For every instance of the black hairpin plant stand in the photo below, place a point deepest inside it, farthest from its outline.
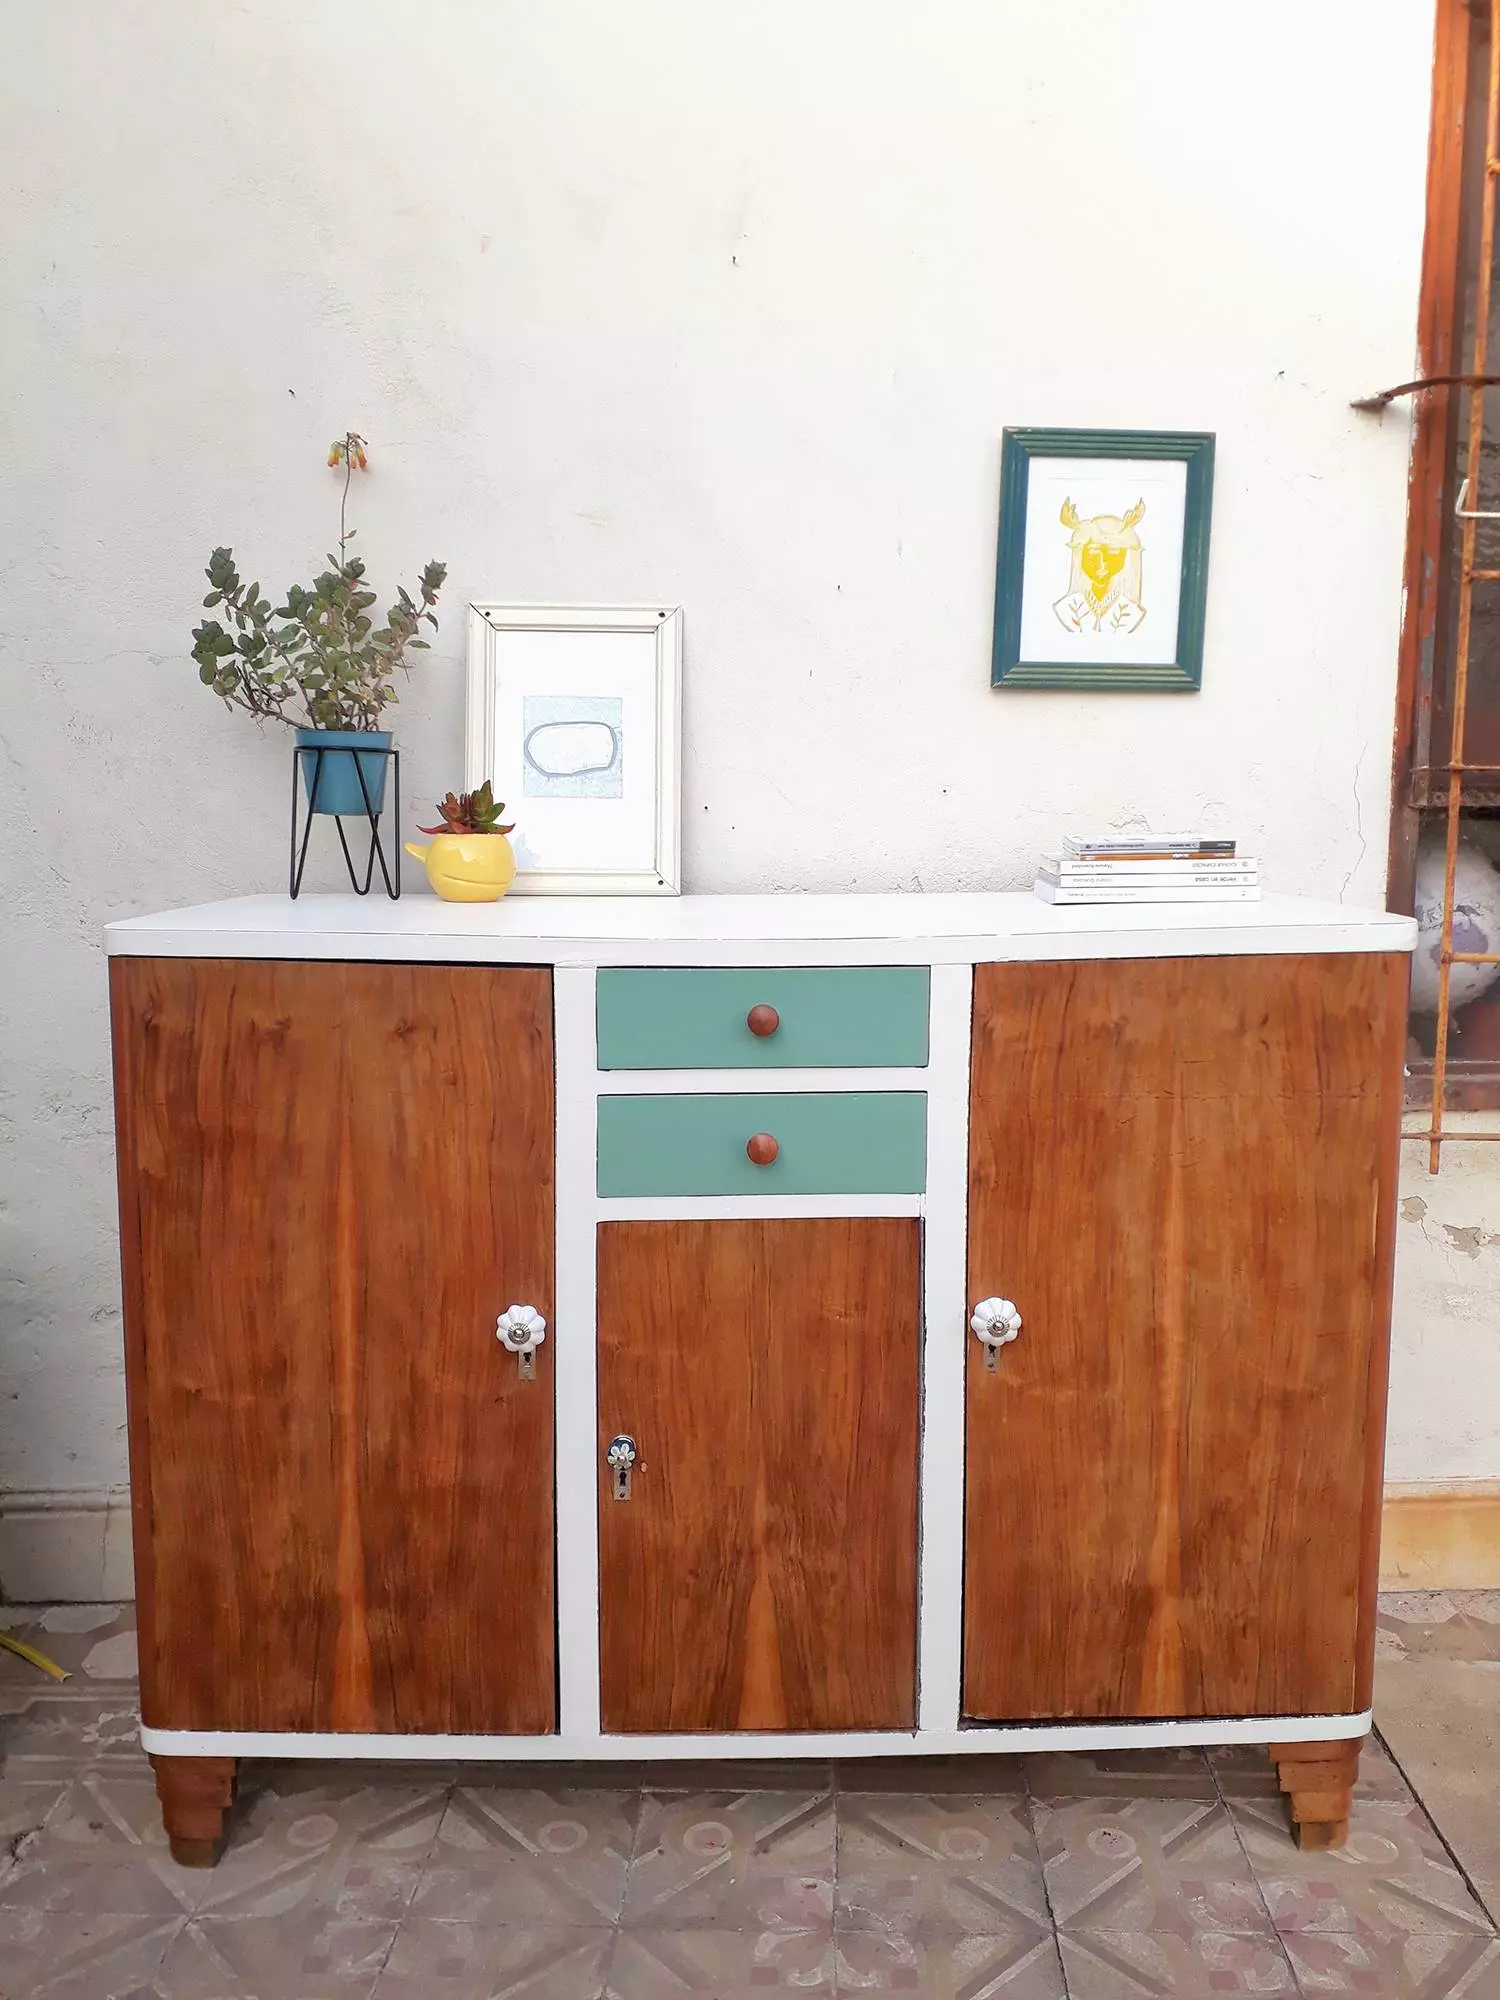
(390, 866)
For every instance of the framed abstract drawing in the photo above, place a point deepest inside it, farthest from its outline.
(574, 712)
(1102, 575)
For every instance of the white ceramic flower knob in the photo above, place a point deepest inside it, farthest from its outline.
(522, 1329)
(995, 1321)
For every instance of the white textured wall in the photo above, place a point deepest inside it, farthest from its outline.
(1445, 1363)
(685, 300)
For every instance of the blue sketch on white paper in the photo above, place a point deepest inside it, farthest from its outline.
(572, 746)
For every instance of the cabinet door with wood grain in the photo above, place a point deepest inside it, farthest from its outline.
(762, 1572)
(333, 1178)
(1181, 1172)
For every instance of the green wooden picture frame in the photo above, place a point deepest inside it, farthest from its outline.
(1183, 674)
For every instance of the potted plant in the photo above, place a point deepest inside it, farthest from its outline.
(470, 860)
(317, 662)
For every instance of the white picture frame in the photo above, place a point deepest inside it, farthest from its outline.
(574, 713)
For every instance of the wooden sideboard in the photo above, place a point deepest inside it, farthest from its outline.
(759, 1488)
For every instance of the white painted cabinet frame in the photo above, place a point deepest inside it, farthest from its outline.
(946, 934)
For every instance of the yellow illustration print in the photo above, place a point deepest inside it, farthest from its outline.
(1104, 585)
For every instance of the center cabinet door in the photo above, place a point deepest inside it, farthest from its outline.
(333, 1179)
(1180, 1172)
(762, 1572)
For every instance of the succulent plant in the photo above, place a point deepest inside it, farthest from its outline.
(317, 658)
(471, 812)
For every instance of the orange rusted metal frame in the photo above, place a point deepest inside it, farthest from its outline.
(1483, 286)
(1429, 517)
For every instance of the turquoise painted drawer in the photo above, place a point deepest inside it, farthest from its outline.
(825, 1017)
(828, 1142)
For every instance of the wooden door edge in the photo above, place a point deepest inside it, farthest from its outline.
(122, 979)
(1396, 980)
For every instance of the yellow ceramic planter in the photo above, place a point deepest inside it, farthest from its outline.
(468, 867)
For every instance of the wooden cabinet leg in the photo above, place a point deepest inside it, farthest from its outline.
(195, 1793)
(1318, 1780)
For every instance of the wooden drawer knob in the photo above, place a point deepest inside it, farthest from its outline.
(763, 1021)
(762, 1149)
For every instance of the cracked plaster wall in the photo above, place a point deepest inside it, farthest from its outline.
(668, 301)
(1445, 1361)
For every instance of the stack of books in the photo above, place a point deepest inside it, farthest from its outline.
(1149, 868)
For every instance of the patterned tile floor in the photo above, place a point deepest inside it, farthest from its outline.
(1093, 1877)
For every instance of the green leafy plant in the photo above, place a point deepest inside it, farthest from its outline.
(471, 812)
(317, 660)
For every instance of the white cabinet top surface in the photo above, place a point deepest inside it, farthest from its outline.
(915, 929)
